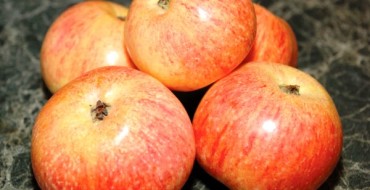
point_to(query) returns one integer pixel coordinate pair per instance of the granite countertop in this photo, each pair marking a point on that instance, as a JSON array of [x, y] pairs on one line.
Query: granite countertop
[[333, 43]]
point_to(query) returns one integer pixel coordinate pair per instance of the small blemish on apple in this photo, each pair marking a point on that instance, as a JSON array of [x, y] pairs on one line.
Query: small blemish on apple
[[290, 89], [100, 111], [121, 18]]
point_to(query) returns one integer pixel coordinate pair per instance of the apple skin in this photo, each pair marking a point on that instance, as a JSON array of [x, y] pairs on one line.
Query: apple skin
[[145, 142], [190, 44], [251, 135], [275, 40], [85, 36]]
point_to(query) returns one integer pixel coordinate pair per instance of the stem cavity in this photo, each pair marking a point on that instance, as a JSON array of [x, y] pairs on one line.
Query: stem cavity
[[163, 4], [100, 111], [290, 89]]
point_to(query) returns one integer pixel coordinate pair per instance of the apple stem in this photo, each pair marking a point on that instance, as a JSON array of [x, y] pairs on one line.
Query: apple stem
[[290, 89], [163, 4], [100, 111]]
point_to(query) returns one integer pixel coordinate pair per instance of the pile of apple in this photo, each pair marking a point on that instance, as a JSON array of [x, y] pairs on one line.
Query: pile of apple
[[114, 122]]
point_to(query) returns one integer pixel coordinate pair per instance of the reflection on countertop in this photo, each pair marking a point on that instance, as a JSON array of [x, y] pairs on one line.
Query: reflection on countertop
[[333, 44]]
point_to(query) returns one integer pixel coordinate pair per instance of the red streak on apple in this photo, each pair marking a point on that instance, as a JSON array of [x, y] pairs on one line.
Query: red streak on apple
[[252, 134], [189, 44], [145, 141]]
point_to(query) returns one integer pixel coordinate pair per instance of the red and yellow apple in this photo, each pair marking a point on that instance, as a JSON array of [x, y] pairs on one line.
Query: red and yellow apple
[[87, 35], [188, 45], [113, 127], [268, 126], [275, 40]]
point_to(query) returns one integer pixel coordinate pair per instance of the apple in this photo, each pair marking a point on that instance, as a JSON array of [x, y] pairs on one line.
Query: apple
[[188, 45], [268, 126], [275, 40], [113, 127], [87, 35]]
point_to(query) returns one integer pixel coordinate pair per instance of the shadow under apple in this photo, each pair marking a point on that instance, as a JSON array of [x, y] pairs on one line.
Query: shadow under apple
[[201, 180], [334, 178], [190, 100]]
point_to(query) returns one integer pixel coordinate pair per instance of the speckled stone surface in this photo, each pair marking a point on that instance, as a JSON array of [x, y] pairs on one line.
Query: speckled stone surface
[[333, 38]]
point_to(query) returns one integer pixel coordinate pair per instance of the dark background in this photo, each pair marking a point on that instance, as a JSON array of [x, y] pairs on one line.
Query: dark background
[[333, 44]]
